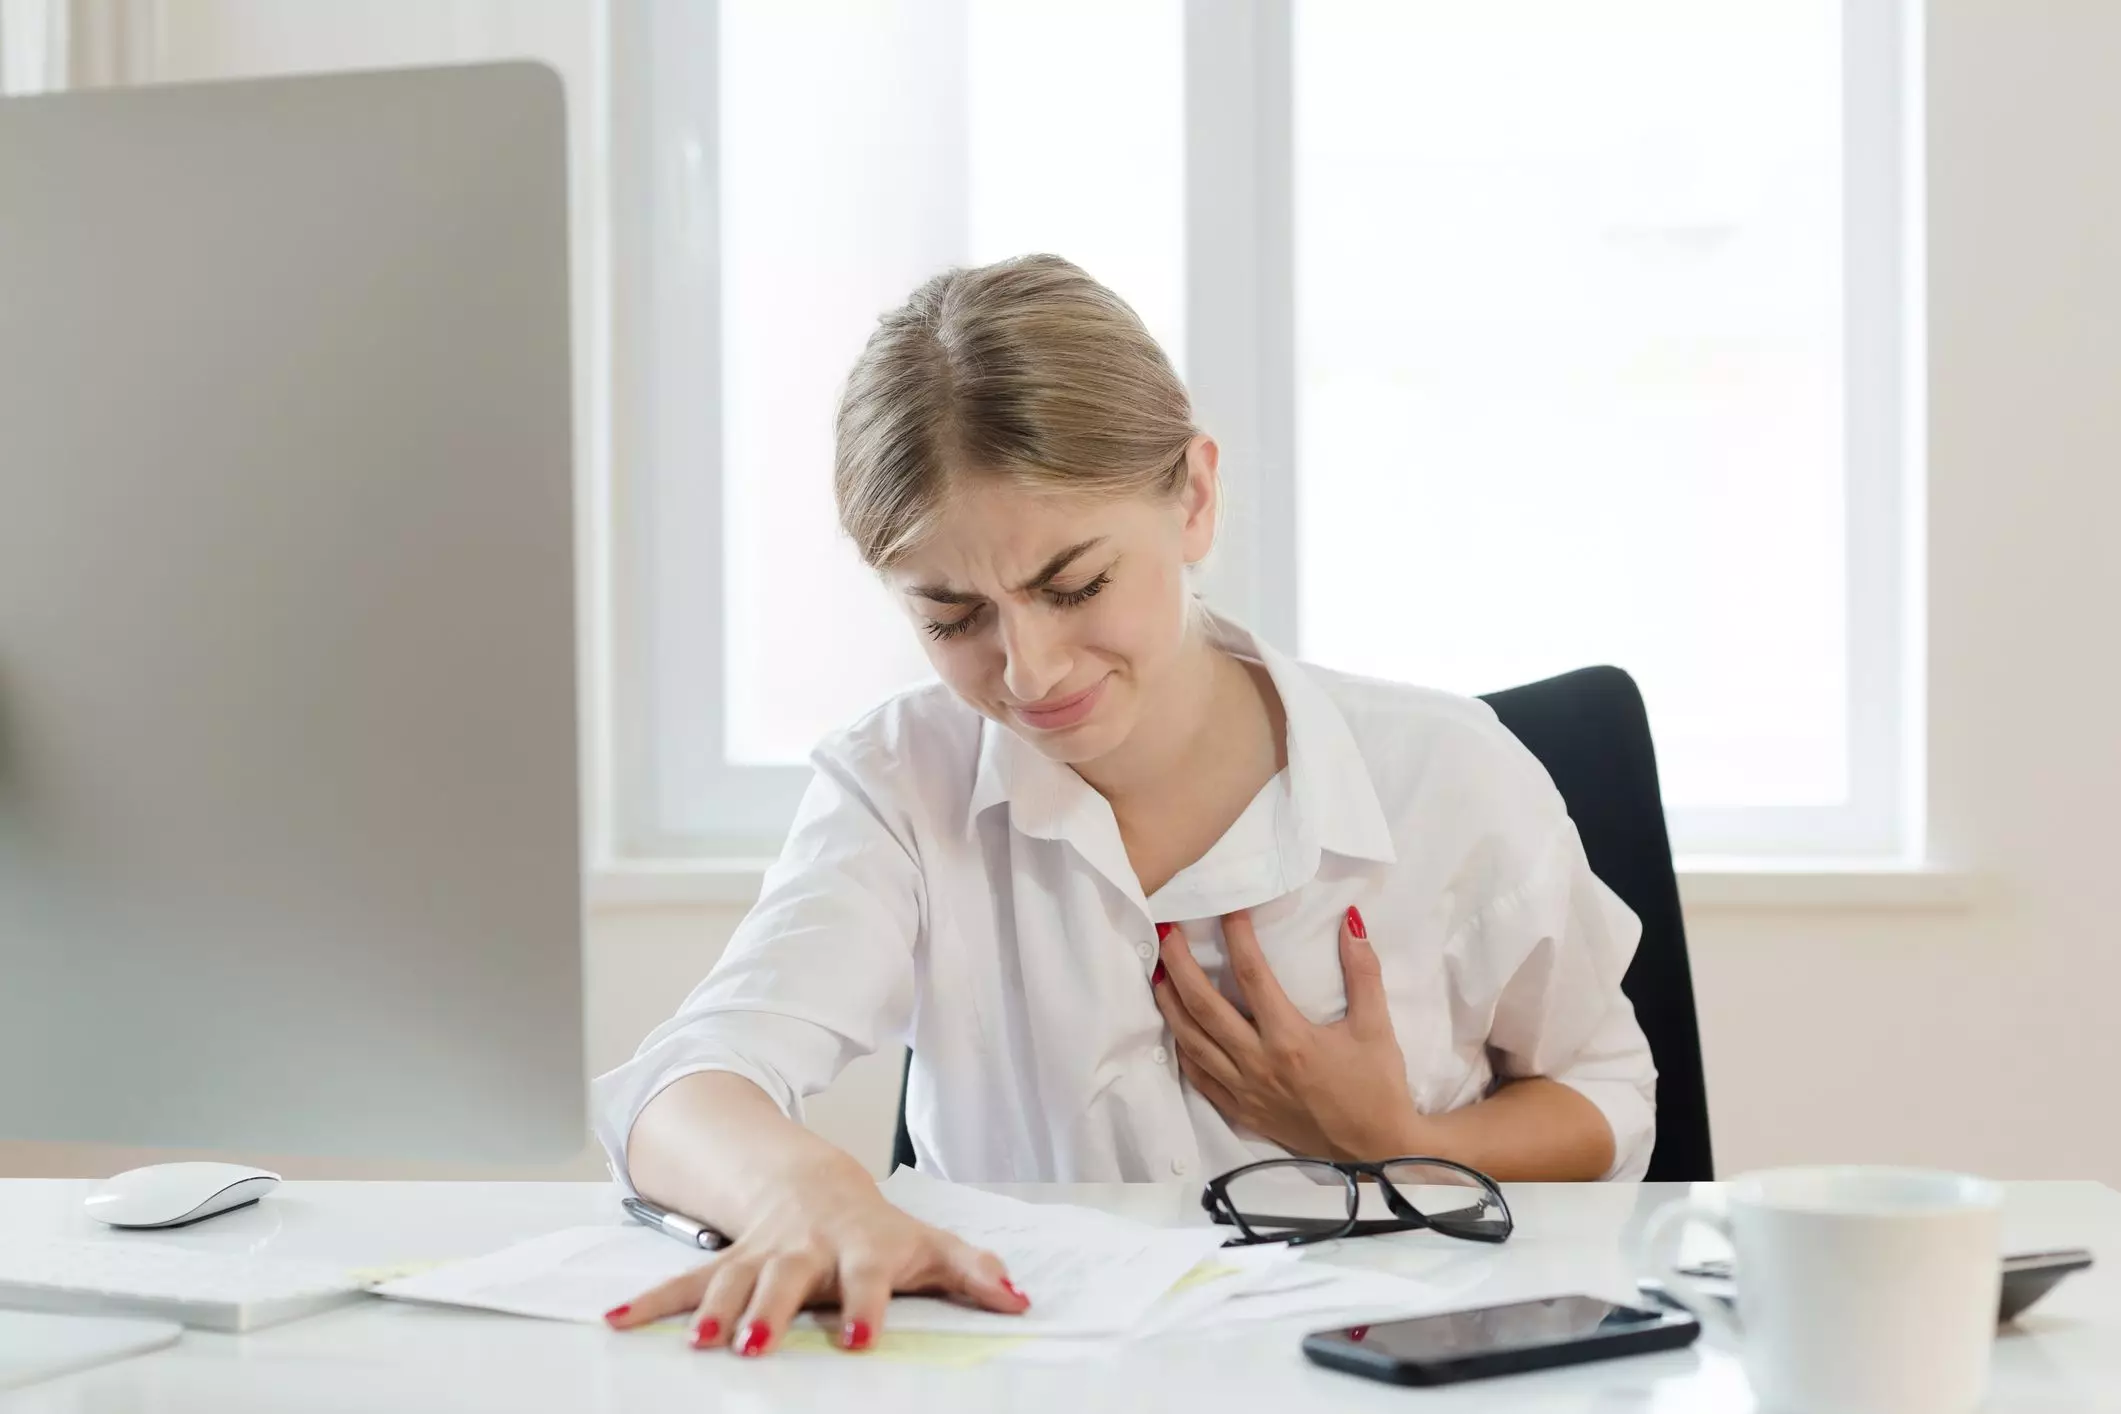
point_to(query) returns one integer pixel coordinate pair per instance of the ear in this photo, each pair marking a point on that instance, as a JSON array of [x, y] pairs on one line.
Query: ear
[[1201, 499]]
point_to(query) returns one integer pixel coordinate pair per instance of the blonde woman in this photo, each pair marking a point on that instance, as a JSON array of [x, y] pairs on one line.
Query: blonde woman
[[1149, 899]]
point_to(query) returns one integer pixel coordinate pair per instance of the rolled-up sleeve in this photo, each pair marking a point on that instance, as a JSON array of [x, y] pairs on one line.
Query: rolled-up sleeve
[[818, 973], [1550, 953]]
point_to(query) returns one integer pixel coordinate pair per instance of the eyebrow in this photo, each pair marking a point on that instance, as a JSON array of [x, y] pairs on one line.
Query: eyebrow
[[944, 594]]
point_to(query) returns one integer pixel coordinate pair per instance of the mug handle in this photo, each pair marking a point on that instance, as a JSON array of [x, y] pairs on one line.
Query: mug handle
[[1660, 1254]]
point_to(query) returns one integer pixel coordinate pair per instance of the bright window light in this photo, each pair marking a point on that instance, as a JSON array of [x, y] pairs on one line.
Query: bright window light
[[865, 146], [1570, 377]]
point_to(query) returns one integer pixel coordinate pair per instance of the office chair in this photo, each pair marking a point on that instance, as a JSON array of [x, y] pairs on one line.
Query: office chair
[[1589, 729]]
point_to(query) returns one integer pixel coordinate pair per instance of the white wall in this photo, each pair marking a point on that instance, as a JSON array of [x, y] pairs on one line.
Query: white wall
[[1983, 1037]]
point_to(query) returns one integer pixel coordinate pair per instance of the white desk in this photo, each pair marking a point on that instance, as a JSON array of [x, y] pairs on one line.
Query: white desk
[[387, 1356]]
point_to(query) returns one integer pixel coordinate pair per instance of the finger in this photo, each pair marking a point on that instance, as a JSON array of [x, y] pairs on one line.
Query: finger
[[673, 1297], [1212, 1090], [1203, 1003], [1192, 1041], [1271, 1007], [729, 1287], [865, 1290], [977, 1278], [1363, 975], [787, 1283]]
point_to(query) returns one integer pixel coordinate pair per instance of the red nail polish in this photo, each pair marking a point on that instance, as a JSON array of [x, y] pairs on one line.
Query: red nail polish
[[705, 1331], [1010, 1287], [1157, 976], [755, 1337], [1355, 922], [1163, 931], [615, 1312], [858, 1335]]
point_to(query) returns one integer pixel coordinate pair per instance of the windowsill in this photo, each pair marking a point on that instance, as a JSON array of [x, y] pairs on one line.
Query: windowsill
[[1705, 885], [1738, 885]]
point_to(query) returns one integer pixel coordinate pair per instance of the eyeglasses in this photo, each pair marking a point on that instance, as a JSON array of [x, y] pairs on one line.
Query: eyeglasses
[[1299, 1201]]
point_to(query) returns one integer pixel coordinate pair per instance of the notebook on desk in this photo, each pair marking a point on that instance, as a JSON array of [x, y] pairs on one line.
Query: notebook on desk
[[210, 1290]]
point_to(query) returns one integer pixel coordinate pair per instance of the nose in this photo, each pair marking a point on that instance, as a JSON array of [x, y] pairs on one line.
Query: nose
[[1036, 656]]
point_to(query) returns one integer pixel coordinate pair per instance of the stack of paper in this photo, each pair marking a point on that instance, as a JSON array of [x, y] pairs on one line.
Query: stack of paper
[[576, 1274], [1088, 1273]]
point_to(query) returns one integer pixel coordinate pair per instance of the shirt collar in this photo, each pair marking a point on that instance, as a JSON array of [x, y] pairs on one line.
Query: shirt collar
[[1335, 799]]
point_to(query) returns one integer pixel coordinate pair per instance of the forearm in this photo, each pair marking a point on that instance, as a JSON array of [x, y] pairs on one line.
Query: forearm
[[715, 1147], [1530, 1131]]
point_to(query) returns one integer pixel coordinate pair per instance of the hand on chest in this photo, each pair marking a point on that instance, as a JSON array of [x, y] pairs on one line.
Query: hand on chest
[[1299, 933]]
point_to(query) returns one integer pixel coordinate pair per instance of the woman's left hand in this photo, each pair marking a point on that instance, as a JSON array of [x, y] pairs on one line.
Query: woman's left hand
[[1337, 1091]]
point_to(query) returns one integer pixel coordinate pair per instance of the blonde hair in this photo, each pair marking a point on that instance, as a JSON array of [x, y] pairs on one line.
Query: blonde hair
[[1026, 369]]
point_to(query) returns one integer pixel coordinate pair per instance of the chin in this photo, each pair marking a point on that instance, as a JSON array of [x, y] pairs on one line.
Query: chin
[[1086, 742]]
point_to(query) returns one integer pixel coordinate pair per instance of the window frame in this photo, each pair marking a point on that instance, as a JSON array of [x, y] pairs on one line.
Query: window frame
[[665, 632]]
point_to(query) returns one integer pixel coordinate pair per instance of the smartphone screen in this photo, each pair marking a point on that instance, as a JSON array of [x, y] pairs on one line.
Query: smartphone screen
[[1455, 1335]]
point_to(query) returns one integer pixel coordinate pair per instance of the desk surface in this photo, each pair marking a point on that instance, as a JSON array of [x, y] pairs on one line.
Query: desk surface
[[382, 1355]]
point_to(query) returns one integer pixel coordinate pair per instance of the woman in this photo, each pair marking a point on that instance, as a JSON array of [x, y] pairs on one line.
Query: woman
[[1149, 899]]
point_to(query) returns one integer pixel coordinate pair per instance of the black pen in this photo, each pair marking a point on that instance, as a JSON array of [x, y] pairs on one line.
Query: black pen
[[684, 1229]]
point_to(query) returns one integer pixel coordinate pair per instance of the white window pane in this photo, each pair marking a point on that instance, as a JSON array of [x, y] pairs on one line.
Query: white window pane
[[1077, 144], [866, 145], [1569, 314]]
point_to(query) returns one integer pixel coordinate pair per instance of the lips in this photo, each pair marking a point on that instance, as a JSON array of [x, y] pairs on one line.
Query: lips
[[1058, 713]]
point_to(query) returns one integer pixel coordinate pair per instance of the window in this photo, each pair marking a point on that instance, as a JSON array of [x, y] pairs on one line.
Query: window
[[1536, 334], [855, 149]]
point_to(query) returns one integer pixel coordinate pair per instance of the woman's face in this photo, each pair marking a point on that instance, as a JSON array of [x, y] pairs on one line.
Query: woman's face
[[1056, 616]]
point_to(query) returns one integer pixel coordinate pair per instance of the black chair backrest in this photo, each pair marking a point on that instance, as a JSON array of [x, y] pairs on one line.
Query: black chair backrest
[[1589, 729]]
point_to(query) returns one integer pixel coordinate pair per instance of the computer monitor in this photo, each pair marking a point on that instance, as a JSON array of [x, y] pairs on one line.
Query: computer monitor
[[290, 859]]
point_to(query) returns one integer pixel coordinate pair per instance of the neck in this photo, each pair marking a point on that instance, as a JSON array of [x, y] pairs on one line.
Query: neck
[[1188, 734]]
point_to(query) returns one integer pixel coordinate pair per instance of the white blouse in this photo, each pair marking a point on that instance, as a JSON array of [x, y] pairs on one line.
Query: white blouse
[[946, 885]]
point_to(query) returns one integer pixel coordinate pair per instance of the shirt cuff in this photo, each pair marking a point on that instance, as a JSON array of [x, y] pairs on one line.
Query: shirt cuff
[[1631, 1116], [618, 1097]]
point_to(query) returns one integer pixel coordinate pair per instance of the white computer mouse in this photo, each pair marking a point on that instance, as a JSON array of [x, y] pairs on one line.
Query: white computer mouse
[[170, 1195]]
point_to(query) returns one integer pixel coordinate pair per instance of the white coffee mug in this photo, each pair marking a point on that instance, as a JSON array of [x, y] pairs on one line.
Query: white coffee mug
[[1860, 1290]]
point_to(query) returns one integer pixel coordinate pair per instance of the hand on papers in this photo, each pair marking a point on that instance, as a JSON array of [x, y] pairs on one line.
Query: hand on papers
[[1100, 1278], [1337, 1091], [840, 1245]]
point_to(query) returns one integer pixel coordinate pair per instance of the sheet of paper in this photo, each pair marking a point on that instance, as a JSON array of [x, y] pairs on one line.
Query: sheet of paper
[[1215, 1280], [576, 1274], [1303, 1296], [1346, 1295], [1087, 1273], [938, 1349]]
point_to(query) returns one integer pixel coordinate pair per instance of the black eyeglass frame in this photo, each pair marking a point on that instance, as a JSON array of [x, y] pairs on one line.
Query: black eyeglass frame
[[1215, 1198]]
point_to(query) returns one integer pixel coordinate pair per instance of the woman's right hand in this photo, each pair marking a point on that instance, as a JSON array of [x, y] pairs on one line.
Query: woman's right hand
[[834, 1241]]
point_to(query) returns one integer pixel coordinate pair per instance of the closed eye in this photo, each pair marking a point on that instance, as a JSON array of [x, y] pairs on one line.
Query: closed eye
[[943, 630], [939, 629], [1069, 598]]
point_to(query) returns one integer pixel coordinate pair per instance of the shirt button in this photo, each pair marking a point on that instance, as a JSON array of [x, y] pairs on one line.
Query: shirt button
[[1145, 951], [1160, 1056], [1178, 1166]]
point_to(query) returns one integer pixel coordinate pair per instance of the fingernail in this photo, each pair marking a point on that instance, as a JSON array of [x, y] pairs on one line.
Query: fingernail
[[755, 1337], [1163, 931], [615, 1312], [705, 1331], [1355, 922], [858, 1335], [1010, 1287], [1157, 976]]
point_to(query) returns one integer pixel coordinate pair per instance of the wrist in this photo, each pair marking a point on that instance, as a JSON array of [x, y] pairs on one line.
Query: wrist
[[1407, 1131], [808, 1178]]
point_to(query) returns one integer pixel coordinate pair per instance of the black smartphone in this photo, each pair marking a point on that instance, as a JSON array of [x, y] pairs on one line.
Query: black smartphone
[[1499, 1340], [2027, 1276]]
